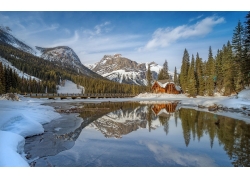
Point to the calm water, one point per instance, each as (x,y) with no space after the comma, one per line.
(130,134)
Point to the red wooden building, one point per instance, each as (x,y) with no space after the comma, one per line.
(165,86)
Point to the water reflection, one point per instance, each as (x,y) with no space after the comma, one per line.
(155,135)
(233,135)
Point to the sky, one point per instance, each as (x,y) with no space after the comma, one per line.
(142,36)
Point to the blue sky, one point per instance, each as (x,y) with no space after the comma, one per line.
(142,36)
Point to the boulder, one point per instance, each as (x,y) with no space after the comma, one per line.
(10,96)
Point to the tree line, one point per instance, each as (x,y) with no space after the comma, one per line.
(227,72)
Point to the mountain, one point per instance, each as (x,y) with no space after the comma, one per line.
(66,57)
(7,38)
(123,70)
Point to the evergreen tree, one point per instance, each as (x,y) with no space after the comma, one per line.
(228,69)
(163,74)
(237,45)
(175,76)
(210,77)
(184,71)
(199,75)
(149,78)
(246,51)
(192,90)
(2,79)
(218,71)
(165,70)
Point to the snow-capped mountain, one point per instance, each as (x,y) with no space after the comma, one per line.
(66,57)
(123,70)
(7,38)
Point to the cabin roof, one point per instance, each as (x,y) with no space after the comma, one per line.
(164,82)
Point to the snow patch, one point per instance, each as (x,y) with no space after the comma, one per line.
(70,88)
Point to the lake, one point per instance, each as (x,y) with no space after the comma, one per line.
(129,134)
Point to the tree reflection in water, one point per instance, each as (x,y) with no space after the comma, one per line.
(124,118)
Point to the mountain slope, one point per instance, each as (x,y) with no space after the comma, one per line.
(66,57)
(123,70)
(7,38)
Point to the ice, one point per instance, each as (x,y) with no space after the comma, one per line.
(20,119)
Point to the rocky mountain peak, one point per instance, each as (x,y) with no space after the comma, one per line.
(65,56)
(124,70)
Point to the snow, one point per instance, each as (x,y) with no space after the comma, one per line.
(20,73)
(70,88)
(11,144)
(20,119)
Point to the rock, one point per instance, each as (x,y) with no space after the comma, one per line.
(200,106)
(10,96)
(213,108)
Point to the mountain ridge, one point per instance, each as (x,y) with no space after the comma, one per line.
(7,38)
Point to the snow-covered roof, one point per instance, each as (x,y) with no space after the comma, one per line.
(164,82)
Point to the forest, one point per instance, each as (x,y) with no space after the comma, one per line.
(226,73)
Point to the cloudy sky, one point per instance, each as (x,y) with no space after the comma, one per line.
(142,36)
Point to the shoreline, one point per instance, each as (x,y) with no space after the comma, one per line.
(52,141)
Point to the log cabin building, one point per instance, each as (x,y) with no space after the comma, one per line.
(165,86)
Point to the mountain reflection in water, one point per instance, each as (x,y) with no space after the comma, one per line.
(154,135)
(233,135)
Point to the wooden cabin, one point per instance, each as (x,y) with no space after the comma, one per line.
(157,87)
(172,89)
(165,86)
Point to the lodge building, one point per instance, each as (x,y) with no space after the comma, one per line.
(165,86)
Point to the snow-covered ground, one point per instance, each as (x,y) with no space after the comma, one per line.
(20,119)
(70,87)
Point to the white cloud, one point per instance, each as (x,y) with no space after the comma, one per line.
(68,41)
(164,153)
(45,28)
(198,17)
(66,30)
(164,37)
(98,29)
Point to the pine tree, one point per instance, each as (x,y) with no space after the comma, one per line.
(149,78)
(218,71)
(210,77)
(175,76)
(199,74)
(237,45)
(192,90)
(165,70)
(184,71)
(2,79)
(246,51)
(228,69)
